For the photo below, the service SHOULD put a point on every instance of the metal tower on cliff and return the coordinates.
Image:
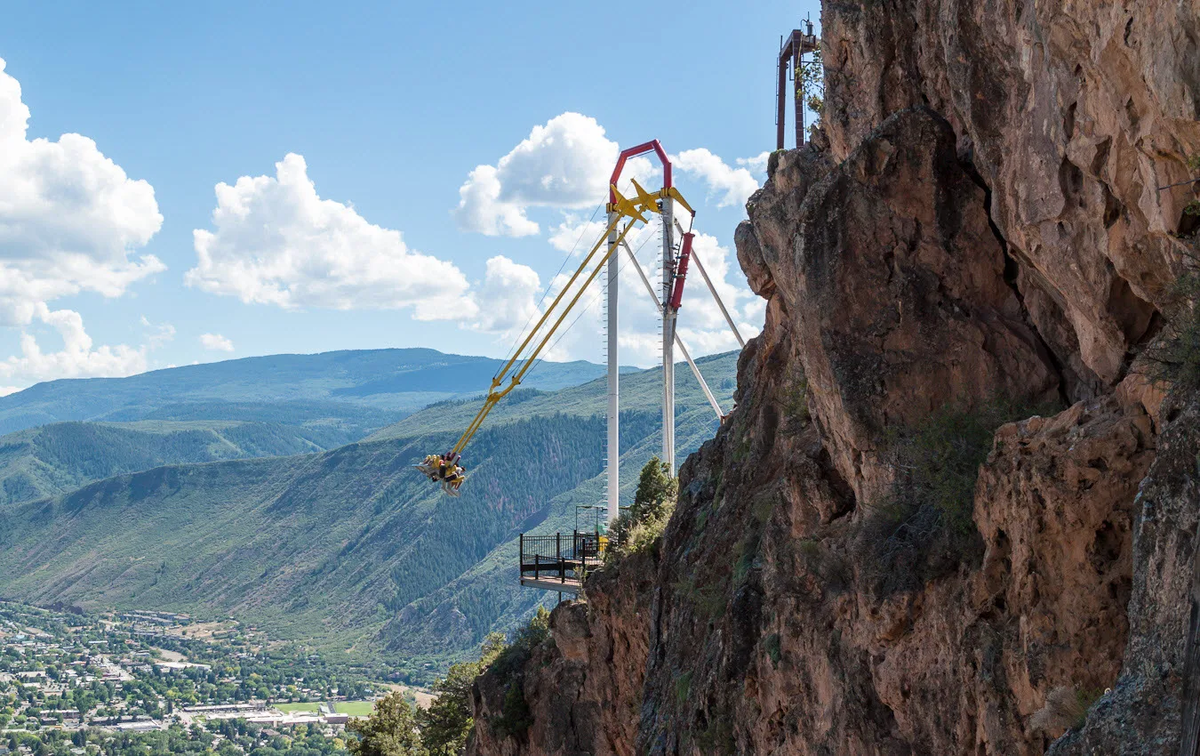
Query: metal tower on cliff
(791, 57)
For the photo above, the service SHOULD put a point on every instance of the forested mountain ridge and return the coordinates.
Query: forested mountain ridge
(640, 390)
(62, 457)
(337, 545)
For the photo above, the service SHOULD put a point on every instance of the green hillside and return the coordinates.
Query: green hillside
(348, 547)
(639, 391)
(314, 546)
(62, 457)
(365, 389)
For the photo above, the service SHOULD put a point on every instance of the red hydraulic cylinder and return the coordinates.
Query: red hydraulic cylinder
(685, 254)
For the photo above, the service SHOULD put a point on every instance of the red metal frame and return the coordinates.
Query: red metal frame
(685, 254)
(791, 52)
(641, 149)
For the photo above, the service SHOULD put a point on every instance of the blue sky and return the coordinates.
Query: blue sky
(392, 108)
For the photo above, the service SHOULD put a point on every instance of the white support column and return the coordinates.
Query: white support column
(614, 377)
(668, 336)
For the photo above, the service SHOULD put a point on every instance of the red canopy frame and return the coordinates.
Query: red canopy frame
(641, 149)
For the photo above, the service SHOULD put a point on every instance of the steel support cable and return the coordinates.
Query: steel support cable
(633, 257)
(495, 396)
(550, 283)
(562, 292)
(607, 256)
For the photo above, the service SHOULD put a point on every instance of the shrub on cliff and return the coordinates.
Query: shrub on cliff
(924, 528)
(509, 669)
(1174, 357)
(938, 461)
(511, 659)
(447, 722)
(1066, 709)
(794, 399)
(810, 86)
(642, 526)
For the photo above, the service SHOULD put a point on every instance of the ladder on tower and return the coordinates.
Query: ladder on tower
(791, 55)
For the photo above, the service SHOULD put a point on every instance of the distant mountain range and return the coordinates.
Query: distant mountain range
(354, 391)
(282, 524)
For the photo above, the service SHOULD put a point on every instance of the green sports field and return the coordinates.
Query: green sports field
(355, 708)
(310, 706)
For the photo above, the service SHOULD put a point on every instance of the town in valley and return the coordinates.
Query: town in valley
(124, 682)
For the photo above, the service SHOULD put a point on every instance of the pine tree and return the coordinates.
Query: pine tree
(655, 488)
(391, 730)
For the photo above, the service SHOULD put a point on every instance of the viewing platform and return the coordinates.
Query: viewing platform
(560, 562)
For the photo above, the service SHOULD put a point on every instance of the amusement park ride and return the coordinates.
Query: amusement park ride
(565, 560)
(678, 255)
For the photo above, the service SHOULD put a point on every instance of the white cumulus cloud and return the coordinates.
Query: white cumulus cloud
(71, 221)
(275, 241)
(480, 208)
(157, 334)
(508, 298)
(70, 218)
(566, 163)
(215, 342)
(77, 358)
(576, 235)
(757, 164)
(511, 299)
(731, 186)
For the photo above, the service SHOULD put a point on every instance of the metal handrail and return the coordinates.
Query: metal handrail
(560, 554)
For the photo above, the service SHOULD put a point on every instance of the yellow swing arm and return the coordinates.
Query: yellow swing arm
(495, 394)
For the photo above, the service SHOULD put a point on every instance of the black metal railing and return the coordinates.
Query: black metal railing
(565, 556)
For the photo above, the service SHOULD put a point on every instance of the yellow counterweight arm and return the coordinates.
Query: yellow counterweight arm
(495, 396)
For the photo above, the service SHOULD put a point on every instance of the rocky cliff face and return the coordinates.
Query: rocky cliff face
(1073, 113)
(980, 221)
(584, 689)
